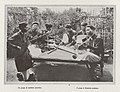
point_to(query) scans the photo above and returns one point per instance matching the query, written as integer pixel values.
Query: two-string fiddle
(84, 41)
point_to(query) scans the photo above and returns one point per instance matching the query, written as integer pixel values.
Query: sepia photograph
(60, 43)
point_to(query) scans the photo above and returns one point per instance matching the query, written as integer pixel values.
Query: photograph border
(62, 82)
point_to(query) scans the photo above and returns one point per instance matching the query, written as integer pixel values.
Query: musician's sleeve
(13, 37)
(98, 46)
(11, 40)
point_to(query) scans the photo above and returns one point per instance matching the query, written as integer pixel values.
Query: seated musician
(19, 42)
(69, 36)
(43, 37)
(35, 31)
(97, 47)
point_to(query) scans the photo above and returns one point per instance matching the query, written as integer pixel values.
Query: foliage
(74, 16)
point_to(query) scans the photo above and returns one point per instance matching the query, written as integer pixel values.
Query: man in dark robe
(23, 61)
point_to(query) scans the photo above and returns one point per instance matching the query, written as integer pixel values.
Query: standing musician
(83, 29)
(23, 61)
(34, 33)
(69, 36)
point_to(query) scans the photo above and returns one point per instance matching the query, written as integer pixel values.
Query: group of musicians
(20, 41)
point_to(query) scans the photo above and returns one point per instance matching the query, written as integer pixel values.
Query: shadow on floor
(71, 73)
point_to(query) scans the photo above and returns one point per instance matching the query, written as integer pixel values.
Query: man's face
(25, 29)
(89, 31)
